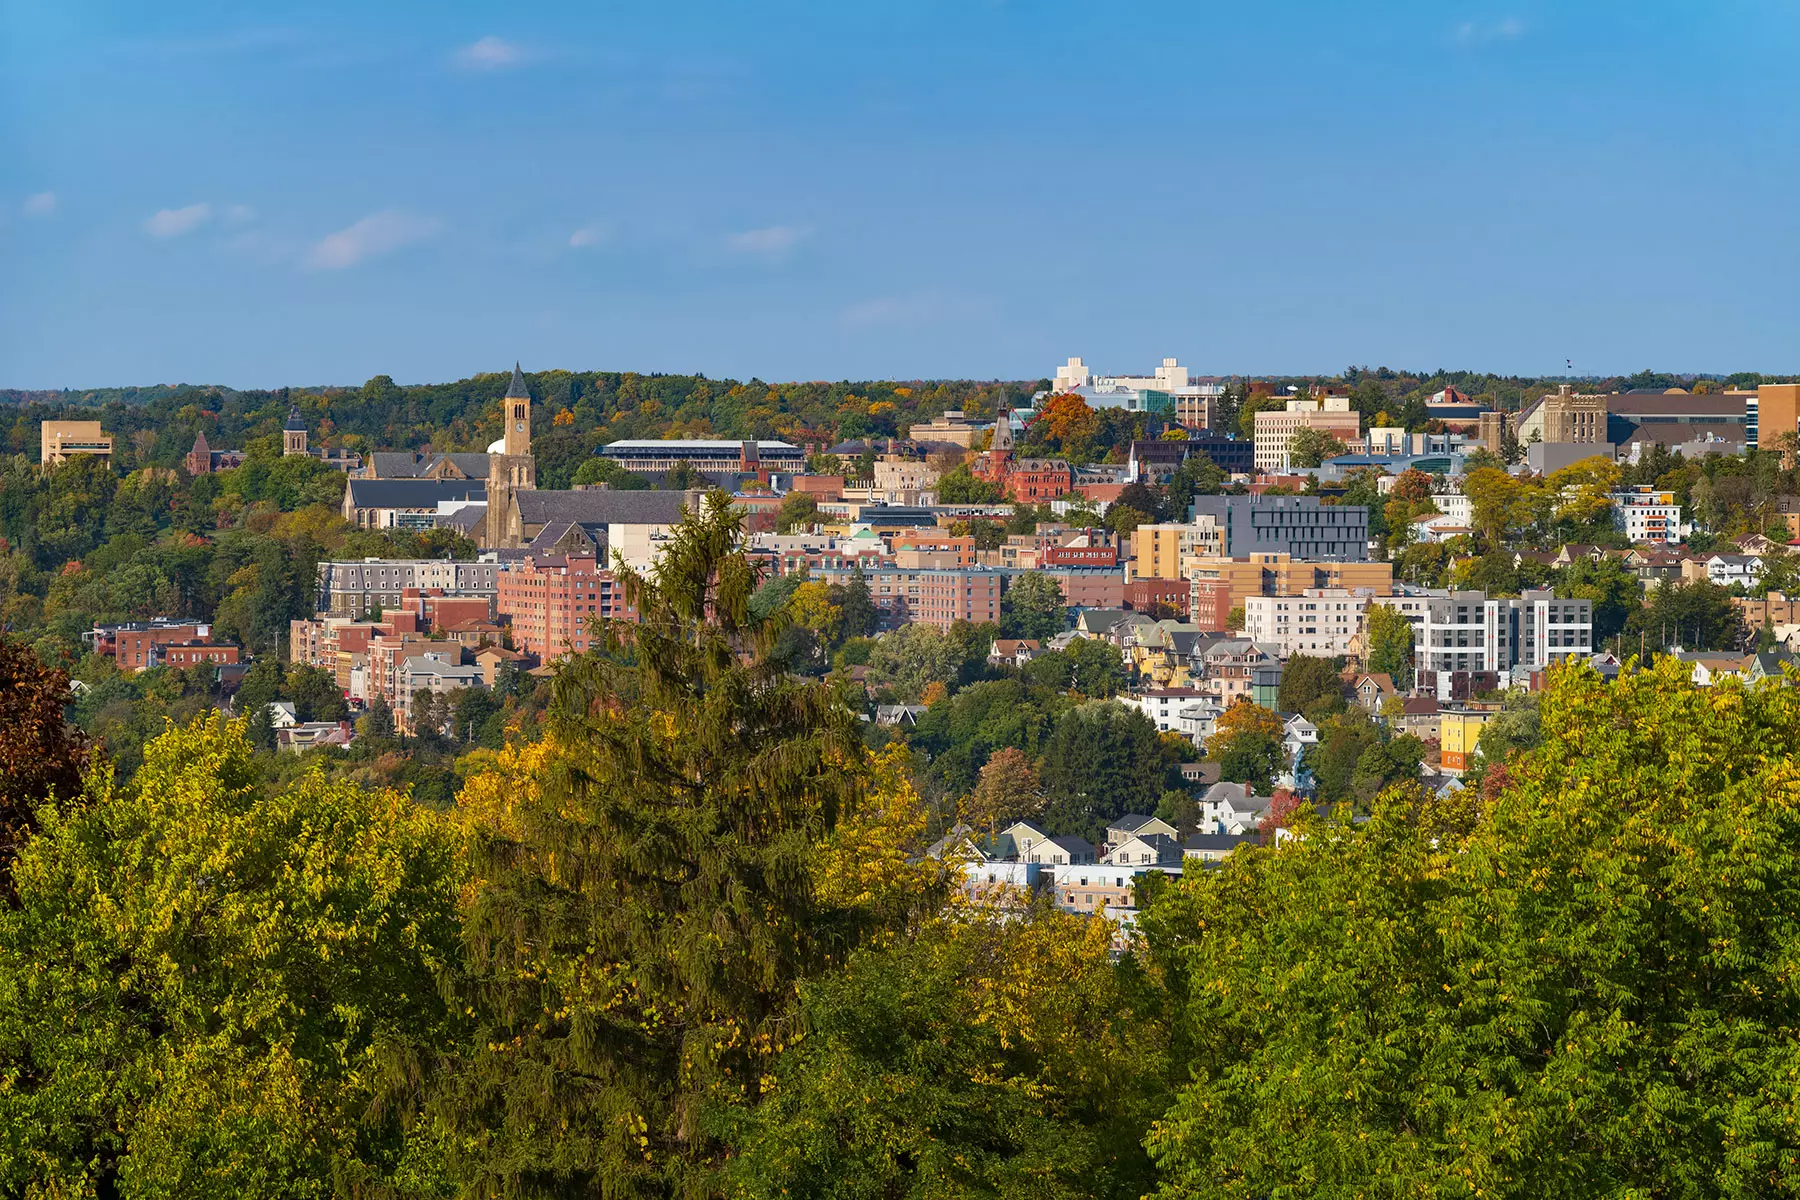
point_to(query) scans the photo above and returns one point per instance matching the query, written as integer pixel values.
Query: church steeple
(1002, 440)
(516, 390)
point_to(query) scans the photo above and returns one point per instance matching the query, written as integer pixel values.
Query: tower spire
(517, 390)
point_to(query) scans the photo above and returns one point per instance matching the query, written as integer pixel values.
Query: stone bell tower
(511, 468)
(293, 434)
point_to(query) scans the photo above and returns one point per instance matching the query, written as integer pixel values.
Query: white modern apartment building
(1647, 514)
(1319, 621)
(1466, 641)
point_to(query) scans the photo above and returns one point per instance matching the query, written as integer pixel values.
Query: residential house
(1372, 690)
(1061, 852)
(904, 716)
(1018, 840)
(306, 735)
(1211, 849)
(1092, 888)
(1167, 707)
(1723, 570)
(1145, 850)
(1133, 825)
(1231, 808)
(1420, 717)
(1228, 669)
(1014, 652)
(1711, 666)
(1298, 735)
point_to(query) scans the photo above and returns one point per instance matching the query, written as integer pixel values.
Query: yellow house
(1459, 734)
(63, 440)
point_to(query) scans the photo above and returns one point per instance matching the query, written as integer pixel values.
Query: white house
(1061, 852)
(1164, 706)
(1145, 850)
(1231, 808)
(1723, 570)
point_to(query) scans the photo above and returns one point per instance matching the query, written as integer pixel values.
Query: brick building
(550, 602)
(929, 596)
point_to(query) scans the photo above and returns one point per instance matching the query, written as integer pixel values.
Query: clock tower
(511, 468)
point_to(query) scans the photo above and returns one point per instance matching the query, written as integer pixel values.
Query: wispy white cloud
(590, 235)
(490, 54)
(239, 215)
(376, 234)
(173, 222)
(772, 244)
(1506, 29)
(41, 204)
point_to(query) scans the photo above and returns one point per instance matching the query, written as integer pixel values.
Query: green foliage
(1033, 608)
(605, 470)
(1577, 993)
(958, 485)
(1696, 616)
(1389, 637)
(198, 971)
(1309, 447)
(1615, 591)
(915, 1080)
(642, 917)
(1102, 761)
(1311, 685)
(798, 509)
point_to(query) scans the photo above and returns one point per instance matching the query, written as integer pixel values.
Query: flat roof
(693, 444)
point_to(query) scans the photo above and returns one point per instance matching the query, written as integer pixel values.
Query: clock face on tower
(520, 426)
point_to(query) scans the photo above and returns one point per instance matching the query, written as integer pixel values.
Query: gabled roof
(1220, 841)
(1132, 822)
(516, 390)
(537, 507)
(412, 493)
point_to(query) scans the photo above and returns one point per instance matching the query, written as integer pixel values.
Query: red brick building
(1090, 587)
(551, 600)
(190, 654)
(1144, 594)
(140, 645)
(1034, 480)
(928, 596)
(1079, 556)
(1209, 603)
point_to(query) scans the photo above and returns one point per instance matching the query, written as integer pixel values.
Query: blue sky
(258, 194)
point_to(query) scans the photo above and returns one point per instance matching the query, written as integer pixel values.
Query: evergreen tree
(860, 618)
(645, 912)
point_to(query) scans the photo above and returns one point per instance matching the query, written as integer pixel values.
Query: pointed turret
(1002, 441)
(516, 390)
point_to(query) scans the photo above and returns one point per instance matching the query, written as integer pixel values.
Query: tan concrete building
(952, 427)
(1777, 414)
(1157, 550)
(1226, 583)
(1567, 416)
(1276, 428)
(62, 440)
